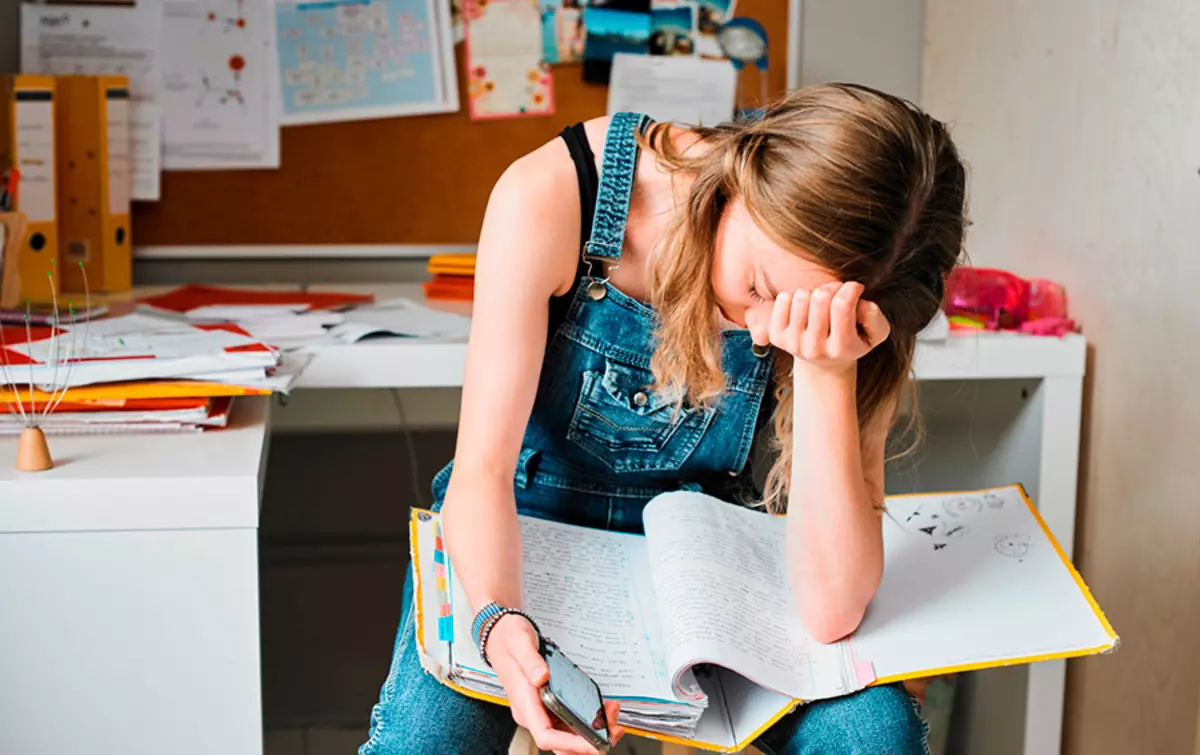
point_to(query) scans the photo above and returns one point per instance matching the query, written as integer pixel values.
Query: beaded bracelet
(485, 614)
(495, 612)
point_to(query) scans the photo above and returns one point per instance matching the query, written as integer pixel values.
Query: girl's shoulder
(534, 207)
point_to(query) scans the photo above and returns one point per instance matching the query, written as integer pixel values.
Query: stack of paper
(137, 372)
(293, 320)
(120, 415)
(132, 347)
(453, 277)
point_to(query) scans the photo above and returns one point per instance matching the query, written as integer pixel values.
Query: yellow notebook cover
(972, 580)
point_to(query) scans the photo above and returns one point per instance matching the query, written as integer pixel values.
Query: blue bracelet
(487, 618)
(487, 612)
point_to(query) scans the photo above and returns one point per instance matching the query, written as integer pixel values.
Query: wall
(1079, 119)
(871, 42)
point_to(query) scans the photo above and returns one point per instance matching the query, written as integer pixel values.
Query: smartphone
(575, 698)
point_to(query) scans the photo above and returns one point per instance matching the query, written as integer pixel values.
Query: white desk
(128, 595)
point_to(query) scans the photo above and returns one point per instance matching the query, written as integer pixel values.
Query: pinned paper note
(506, 76)
(688, 90)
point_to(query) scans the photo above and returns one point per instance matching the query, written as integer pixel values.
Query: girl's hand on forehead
(830, 327)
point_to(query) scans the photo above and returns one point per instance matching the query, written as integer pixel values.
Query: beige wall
(1081, 120)
(871, 42)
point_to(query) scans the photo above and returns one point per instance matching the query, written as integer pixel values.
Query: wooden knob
(33, 454)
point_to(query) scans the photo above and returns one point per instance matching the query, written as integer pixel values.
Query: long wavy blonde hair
(861, 181)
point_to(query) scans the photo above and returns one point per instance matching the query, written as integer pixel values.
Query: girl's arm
(531, 224)
(834, 530)
(520, 264)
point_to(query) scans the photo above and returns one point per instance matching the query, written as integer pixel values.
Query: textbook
(693, 626)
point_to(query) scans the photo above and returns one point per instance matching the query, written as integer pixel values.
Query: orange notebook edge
(138, 390)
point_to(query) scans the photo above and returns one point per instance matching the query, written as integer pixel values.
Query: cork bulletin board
(414, 180)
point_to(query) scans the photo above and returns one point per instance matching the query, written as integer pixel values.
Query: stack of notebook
(453, 277)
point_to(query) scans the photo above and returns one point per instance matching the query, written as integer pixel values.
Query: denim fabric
(600, 444)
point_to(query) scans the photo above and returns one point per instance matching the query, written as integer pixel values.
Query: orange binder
(27, 139)
(94, 183)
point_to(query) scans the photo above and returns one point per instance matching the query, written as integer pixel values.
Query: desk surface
(142, 481)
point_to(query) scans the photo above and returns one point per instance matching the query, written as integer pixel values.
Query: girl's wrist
(825, 377)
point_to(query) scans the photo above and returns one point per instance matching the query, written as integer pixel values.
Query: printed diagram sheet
(219, 64)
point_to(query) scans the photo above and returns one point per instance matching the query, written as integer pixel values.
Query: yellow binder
(27, 144)
(94, 183)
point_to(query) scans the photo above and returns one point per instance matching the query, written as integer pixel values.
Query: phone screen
(576, 691)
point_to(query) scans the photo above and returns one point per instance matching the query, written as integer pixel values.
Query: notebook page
(589, 591)
(971, 579)
(720, 577)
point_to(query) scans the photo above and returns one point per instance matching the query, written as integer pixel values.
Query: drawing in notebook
(698, 633)
(1013, 546)
(963, 505)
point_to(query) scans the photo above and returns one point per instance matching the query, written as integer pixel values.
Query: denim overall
(600, 443)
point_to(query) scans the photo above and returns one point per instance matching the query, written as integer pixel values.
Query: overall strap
(616, 185)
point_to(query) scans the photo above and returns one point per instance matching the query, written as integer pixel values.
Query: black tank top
(589, 183)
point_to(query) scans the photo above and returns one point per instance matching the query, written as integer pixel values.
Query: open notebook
(696, 630)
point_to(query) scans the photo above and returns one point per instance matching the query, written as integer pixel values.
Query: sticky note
(446, 628)
(439, 557)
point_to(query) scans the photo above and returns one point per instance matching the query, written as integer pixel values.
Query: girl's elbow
(828, 627)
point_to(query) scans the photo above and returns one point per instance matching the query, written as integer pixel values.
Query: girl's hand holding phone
(512, 648)
(830, 327)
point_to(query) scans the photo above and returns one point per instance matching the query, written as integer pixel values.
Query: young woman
(632, 335)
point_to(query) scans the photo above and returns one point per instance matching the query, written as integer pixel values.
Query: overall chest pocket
(631, 428)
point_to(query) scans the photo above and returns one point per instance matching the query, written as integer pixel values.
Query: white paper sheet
(686, 89)
(714, 565)
(220, 102)
(120, 159)
(617, 640)
(145, 134)
(77, 343)
(69, 39)
(35, 159)
(353, 59)
(400, 317)
(969, 578)
(90, 39)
